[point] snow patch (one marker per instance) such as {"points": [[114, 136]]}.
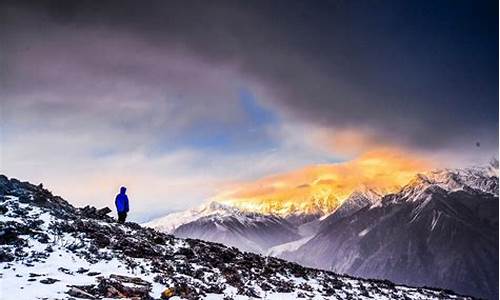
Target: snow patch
{"points": [[364, 232]]}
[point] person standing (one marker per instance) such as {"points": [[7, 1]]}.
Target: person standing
{"points": [[121, 202]]}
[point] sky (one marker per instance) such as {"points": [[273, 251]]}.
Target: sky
{"points": [[178, 99]]}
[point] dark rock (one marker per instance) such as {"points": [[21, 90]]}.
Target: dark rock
{"points": [[101, 240], [8, 235], [43, 238], [103, 211], [82, 270], [49, 280], [187, 252], [65, 271], [6, 256]]}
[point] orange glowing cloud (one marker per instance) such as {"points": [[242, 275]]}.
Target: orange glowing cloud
{"points": [[322, 188]]}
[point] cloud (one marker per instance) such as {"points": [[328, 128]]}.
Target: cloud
{"points": [[302, 190], [416, 79], [151, 95]]}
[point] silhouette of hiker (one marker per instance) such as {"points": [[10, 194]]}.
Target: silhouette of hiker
{"points": [[121, 202]]}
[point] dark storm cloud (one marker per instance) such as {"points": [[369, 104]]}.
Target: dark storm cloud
{"points": [[418, 73]]}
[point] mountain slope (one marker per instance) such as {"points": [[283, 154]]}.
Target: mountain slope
{"points": [[441, 229], [351, 205], [230, 226], [355, 202], [251, 231], [51, 250]]}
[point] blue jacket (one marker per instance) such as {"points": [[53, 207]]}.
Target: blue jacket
{"points": [[121, 201]]}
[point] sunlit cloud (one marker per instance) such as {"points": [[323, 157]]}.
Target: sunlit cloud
{"points": [[322, 188]]}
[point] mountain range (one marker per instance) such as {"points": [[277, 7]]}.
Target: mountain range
{"points": [[440, 229], [52, 250]]}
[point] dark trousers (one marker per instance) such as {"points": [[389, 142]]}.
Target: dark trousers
{"points": [[121, 217]]}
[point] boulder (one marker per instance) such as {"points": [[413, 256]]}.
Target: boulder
{"points": [[79, 293], [167, 293], [103, 211], [49, 280], [120, 286]]}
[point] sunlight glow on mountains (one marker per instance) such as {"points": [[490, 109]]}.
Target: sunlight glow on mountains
{"points": [[320, 189]]}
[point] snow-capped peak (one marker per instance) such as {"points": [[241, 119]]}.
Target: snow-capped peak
{"points": [[214, 209], [450, 180]]}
